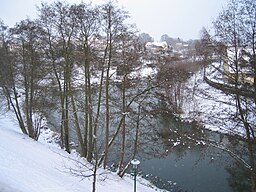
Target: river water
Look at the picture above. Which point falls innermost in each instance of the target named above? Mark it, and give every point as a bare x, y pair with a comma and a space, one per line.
175, 156
184, 164
193, 171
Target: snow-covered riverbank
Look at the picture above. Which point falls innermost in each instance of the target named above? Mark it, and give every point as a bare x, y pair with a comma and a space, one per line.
30, 166
209, 106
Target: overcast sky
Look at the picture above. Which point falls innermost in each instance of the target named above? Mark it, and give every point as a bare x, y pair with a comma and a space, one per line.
176, 18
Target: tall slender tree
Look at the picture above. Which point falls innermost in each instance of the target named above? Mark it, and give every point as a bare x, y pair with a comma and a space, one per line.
9, 75
235, 30
27, 49
113, 22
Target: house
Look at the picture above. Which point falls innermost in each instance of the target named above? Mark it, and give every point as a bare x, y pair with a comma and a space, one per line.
157, 47
244, 68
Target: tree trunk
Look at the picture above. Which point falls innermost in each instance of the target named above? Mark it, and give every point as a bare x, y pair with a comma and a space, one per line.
66, 118
77, 125
121, 162
109, 45
88, 105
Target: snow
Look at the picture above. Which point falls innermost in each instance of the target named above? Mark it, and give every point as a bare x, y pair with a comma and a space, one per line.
203, 103
241, 54
156, 44
144, 71
209, 106
39, 166
30, 166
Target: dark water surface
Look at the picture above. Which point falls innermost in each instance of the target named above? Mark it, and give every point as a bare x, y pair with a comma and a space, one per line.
180, 160
189, 164
174, 155
191, 172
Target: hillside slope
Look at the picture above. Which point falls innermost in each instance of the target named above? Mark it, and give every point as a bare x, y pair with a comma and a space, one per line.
30, 166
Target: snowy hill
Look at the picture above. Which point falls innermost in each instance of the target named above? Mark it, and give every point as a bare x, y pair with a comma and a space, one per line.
30, 166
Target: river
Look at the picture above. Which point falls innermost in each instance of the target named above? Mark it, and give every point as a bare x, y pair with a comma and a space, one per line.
185, 163
174, 155
195, 170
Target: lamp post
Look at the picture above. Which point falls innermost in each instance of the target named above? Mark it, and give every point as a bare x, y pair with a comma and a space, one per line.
135, 164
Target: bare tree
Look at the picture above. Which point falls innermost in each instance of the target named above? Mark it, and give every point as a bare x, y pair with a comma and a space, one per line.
8, 77
23, 69
59, 24
235, 32
113, 24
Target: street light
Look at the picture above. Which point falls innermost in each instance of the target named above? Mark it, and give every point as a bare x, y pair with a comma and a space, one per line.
135, 164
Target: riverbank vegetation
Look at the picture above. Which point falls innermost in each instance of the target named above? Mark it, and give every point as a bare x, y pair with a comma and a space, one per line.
234, 42
76, 67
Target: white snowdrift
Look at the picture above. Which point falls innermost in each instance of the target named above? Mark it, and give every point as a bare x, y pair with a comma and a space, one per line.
30, 166
210, 106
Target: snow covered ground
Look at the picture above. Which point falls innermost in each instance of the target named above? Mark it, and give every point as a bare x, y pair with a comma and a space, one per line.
30, 166
211, 107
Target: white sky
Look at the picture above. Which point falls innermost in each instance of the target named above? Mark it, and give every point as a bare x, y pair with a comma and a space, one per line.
176, 18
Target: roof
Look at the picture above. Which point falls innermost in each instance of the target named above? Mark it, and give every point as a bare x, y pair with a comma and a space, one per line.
244, 59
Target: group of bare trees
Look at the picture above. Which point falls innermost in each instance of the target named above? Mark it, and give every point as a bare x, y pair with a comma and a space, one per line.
61, 65
21, 45
234, 40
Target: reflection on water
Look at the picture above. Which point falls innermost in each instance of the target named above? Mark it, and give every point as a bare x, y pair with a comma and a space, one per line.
189, 164
174, 155
238, 179
193, 171
179, 159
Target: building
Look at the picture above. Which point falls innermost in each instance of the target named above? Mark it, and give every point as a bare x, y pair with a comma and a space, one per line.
157, 47
239, 62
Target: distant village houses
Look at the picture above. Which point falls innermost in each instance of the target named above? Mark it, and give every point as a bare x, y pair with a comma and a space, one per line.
177, 50
239, 62
157, 47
